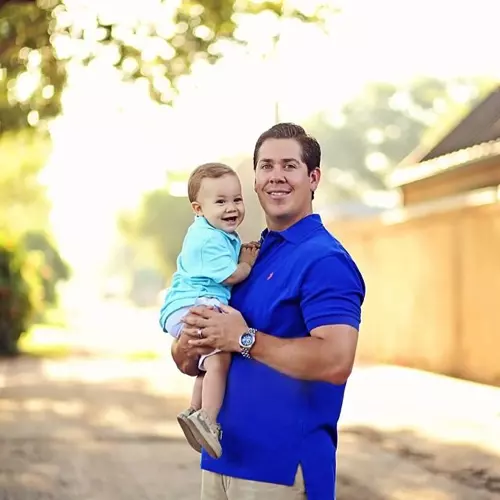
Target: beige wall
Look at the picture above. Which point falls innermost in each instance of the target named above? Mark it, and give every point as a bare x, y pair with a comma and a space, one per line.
433, 289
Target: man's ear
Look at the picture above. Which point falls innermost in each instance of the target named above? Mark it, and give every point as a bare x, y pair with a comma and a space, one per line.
196, 208
314, 178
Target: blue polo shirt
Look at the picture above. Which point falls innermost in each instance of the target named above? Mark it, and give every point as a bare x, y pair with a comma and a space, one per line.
303, 278
208, 257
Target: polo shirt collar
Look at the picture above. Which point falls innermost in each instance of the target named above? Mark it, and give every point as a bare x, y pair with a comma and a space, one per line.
299, 231
201, 221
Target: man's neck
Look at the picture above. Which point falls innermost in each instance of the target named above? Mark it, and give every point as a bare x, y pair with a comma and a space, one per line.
282, 223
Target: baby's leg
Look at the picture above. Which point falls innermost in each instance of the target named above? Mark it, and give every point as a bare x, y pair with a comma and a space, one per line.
197, 392
214, 383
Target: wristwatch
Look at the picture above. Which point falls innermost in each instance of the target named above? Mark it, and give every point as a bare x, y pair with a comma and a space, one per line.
247, 340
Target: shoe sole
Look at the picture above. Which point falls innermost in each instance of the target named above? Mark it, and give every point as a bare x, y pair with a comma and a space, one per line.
186, 429
213, 448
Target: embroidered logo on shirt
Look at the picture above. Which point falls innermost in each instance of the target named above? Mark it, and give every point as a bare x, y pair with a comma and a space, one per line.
270, 276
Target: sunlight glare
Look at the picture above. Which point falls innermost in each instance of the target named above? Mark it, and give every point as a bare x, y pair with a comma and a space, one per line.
112, 143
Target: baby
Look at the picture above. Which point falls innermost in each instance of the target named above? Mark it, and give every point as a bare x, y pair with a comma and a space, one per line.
212, 259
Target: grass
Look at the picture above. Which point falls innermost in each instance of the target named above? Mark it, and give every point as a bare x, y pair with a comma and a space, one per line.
141, 356
54, 318
48, 338
51, 339
45, 341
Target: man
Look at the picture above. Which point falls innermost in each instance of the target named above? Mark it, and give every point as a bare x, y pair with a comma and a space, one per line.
293, 327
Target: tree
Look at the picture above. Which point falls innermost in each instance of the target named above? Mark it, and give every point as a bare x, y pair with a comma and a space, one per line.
32, 76
158, 43
161, 222
23, 202
53, 268
375, 131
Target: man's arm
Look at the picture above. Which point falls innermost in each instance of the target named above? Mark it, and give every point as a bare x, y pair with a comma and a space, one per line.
327, 355
332, 293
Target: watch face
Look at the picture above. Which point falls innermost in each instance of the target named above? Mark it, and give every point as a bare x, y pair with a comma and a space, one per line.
246, 340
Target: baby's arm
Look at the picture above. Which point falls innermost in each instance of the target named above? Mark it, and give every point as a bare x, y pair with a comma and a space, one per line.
246, 261
241, 273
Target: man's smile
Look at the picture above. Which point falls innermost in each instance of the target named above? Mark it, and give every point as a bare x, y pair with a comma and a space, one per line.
277, 194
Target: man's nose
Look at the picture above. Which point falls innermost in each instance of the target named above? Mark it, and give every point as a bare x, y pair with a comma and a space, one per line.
277, 177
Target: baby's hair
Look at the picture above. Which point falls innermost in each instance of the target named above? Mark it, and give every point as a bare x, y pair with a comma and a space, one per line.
206, 171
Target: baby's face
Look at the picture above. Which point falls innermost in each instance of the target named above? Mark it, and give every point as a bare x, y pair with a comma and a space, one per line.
221, 203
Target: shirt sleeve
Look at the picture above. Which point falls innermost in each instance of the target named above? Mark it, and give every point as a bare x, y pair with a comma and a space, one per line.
217, 262
332, 292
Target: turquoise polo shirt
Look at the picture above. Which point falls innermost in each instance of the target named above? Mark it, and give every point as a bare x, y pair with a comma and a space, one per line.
208, 257
302, 279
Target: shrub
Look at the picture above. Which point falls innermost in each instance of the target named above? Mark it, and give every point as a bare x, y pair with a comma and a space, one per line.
21, 294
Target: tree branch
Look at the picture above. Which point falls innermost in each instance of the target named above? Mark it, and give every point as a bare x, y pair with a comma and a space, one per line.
5, 2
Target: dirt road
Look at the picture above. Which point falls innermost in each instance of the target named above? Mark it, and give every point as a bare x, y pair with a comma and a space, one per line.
97, 429
103, 428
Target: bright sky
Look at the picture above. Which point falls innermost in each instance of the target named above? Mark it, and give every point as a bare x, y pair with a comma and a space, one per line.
112, 144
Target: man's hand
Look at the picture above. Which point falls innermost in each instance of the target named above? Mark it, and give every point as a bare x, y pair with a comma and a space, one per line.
209, 328
186, 356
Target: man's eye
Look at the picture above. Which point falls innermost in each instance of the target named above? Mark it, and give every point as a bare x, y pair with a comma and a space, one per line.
219, 202
290, 165
265, 166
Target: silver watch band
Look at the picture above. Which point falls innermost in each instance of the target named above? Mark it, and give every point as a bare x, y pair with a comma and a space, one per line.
245, 352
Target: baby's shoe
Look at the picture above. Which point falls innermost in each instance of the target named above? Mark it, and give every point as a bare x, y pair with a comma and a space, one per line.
183, 419
206, 432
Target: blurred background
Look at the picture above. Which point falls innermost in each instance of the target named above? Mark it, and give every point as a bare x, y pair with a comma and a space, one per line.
106, 107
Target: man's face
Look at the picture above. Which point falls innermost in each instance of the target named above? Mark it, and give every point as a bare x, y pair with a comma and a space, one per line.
283, 184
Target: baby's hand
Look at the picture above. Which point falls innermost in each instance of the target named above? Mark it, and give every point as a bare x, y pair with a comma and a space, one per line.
248, 254
251, 244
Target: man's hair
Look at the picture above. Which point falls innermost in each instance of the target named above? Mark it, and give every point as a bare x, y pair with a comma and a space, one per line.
206, 171
311, 150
